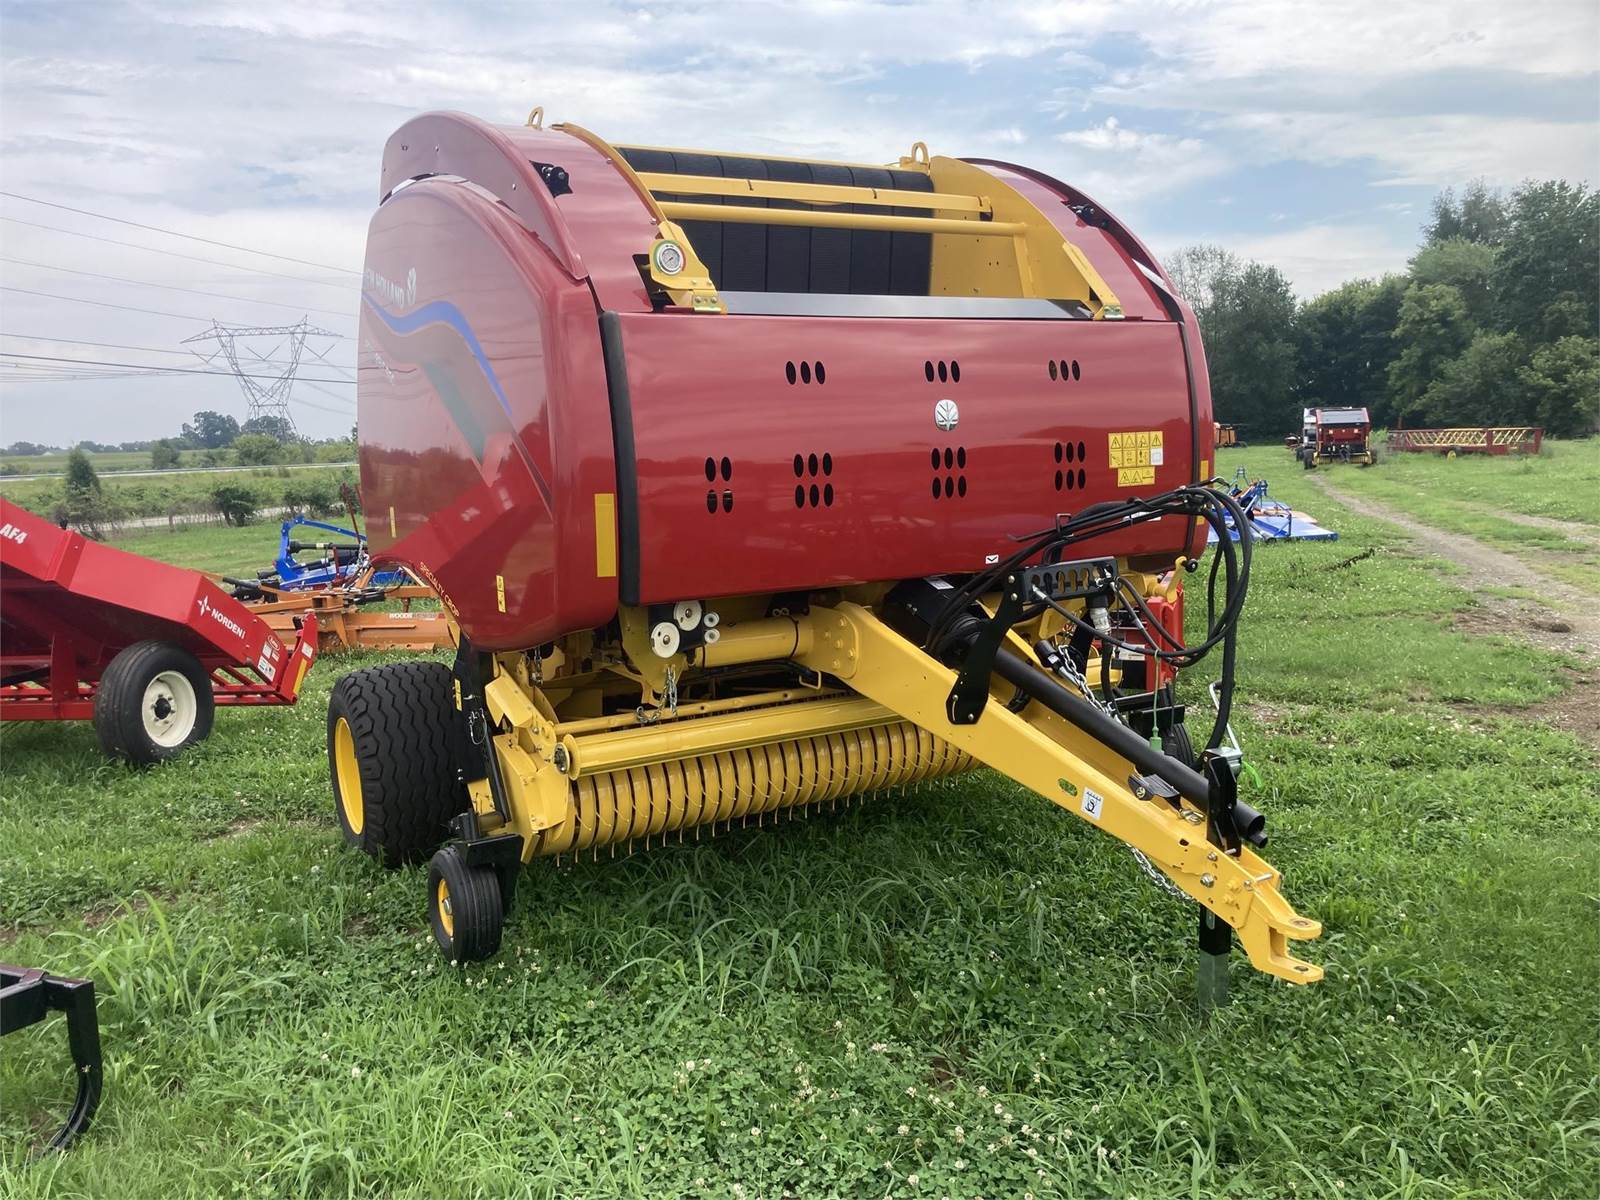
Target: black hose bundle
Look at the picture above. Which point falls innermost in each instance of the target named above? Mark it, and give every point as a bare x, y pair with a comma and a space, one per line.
1232, 563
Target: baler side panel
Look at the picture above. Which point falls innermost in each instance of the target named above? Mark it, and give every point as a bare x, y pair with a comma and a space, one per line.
468, 384
704, 390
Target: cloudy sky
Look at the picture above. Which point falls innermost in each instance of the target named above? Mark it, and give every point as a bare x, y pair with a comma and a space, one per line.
1309, 135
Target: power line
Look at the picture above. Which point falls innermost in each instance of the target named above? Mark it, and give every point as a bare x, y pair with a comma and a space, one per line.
215, 262
5, 287
34, 337
170, 287
99, 362
83, 212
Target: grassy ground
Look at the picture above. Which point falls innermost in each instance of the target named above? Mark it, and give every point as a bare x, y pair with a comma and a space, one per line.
222, 549
113, 460
959, 991
1472, 495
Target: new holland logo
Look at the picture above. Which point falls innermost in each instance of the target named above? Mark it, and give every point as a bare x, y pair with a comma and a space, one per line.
946, 415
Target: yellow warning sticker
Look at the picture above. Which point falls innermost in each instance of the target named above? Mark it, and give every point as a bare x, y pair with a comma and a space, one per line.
1135, 454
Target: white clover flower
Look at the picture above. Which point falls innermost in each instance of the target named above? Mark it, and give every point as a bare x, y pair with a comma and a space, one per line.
355, 1072
903, 1130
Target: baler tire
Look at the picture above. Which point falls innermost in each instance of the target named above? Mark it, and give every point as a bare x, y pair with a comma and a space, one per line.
1176, 743
136, 674
393, 734
465, 908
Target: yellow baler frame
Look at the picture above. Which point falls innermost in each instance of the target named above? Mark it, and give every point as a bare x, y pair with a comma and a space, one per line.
591, 782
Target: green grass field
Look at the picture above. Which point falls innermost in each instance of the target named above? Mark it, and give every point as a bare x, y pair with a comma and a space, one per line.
111, 460
959, 991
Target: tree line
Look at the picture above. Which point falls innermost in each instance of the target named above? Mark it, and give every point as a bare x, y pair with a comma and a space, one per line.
219, 439
1494, 322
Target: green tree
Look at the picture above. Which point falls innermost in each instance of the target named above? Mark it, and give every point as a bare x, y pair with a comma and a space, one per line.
235, 502
83, 500
1433, 330
1195, 271
164, 455
1550, 256
1467, 266
1345, 343
1250, 345
211, 430
257, 450
1562, 386
277, 428
1479, 215
1481, 385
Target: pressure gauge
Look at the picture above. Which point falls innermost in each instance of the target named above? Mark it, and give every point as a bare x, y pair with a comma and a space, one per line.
669, 258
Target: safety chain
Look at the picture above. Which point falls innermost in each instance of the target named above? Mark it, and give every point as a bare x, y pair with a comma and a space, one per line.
649, 716
1076, 679
1157, 877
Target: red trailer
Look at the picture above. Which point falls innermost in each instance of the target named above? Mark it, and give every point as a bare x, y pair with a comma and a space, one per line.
1475, 439
144, 649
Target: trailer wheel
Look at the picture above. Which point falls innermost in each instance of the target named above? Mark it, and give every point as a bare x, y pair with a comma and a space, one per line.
464, 907
392, 738
1176, 743
154, 699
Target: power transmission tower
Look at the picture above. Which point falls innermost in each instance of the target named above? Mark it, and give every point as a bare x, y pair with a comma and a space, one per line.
265, 395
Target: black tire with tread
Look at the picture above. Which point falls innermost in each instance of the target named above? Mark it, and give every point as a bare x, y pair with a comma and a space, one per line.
476, 907
406, 732
1176, 743
119, 701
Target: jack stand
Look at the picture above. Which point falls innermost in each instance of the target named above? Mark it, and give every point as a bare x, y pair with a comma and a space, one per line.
1216, 939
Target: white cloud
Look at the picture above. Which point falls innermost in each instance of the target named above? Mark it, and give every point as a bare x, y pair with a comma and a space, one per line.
1117, 164
1314, 257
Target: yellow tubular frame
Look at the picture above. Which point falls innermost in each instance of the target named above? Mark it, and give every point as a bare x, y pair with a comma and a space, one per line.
1063, 764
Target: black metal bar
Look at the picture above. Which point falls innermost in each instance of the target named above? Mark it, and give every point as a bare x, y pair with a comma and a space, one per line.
27, 996
970, 695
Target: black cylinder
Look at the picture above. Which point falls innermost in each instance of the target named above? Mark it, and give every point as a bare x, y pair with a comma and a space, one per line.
1252, 826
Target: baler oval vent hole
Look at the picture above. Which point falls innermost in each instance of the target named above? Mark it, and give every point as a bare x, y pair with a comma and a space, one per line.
1058, 481
822, 375
1080, 478
1075, 374
949, 458
789, 372
955, 371
827, 495
727, 469
944, 372
727, 501
927, 369
805, 372
711, 501
816, 495
961, 457
1053, 375
935, 459
711, 470
961, 485
799, 466
827, 464
811, 464
1071, 451
1058, 451
1083, 452
799, 495
1065, 371
1071, 481
949, 487
935, 487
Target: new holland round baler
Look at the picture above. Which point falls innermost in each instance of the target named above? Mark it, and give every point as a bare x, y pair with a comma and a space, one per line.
753, 483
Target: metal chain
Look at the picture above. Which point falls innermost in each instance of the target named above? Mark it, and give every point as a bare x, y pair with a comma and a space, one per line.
1157, 877
649, 716
1076, 679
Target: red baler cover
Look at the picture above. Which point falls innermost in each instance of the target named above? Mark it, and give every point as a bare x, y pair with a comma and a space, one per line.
541, 444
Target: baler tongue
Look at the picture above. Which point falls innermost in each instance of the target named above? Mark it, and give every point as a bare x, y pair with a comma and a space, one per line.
1082, 760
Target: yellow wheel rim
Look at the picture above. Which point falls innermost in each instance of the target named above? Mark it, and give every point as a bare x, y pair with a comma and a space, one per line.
348, 773
441, 900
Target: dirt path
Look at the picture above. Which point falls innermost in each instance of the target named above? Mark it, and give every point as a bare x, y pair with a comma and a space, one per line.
1564, 618
1575, 530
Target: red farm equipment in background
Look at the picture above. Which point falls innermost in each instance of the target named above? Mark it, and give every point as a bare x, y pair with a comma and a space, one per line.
144, 649
1475, 439
1337, 435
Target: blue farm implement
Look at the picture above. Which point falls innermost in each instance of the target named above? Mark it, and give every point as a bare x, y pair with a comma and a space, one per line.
1272, 520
